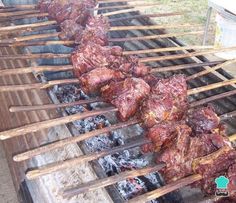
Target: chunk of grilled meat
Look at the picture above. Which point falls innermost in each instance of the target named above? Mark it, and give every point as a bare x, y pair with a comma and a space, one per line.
213, 166
126, 95
163, 105
160, 135
93, 56
96, 31
203, 119
92, 81
70, 30
180, 156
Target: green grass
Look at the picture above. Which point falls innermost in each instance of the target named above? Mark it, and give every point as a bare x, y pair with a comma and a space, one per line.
194, 12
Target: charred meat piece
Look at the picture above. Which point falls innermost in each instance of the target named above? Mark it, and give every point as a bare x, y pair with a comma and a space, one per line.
180, 156
232, 180
61, 10
70, 30
96, 31
161, 108
93, 56
92, 81
203, 119
213, 166
55, 7
43, 5
130, 65
163, 105
126, 95
160, 135
175, 85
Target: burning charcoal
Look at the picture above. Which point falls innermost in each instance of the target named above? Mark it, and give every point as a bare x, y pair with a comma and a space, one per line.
126, 95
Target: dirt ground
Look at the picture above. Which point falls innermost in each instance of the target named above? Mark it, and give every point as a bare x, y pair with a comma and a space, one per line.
194, 12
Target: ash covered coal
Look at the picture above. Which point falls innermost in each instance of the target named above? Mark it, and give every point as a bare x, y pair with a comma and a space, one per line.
112, 164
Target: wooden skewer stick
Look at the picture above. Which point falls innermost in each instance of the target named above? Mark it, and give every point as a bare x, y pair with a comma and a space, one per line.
145, 51
50, 123
28, 37
197, 90
34, 6
36, 69
26, 26
212, 98
71, 140
211, 86
184, 66
84, 158
9, 88
18, 13
166, 189
35, 15
100, 183
62, 143
15, 41
151, 27
204, 72
53, 106
146, 15
128, 6
21, 6
47, 124
228, 115
167, 49
186, 55
150, 37
63, 105
38, 43
34, 56
96, 184
172, 186
118, 1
